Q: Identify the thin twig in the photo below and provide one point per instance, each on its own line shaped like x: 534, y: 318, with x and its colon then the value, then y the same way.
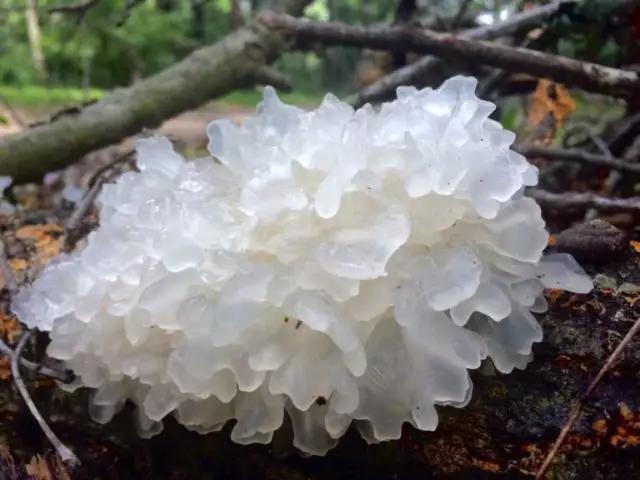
x: 9, y: 279
x: 584, y: 201
x: 107, y: 167
x: 67, y: 456
x: 462, y: 10
x: 588, y: 132
x: 578, y: 156
x: 614, y: 176
x: 72, y: 226
x: 64, y: 376
x: 624, y: 134
x: 575, y: 412
x: 80, y: 8
x: 497, y: 77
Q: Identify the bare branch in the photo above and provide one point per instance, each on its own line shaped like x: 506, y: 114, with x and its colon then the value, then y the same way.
x: 9, y: 279
x: 64, y: 376
x: 415, y: 73
x: 80, y: 8
x: 624, y: 134
x: 575, y: 411
x: 584, y: 201
x: 578, y: 156
x: 99, y: 173
x: 67, y: 456
x: 462, y: 10
x: 72, y: 227
x: 234, y: 62
x: 573, y: 73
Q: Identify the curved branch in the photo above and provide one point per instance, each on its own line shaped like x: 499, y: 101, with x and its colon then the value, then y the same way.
x: 588, y: 76
x: 584, y: 201
x: 578, y: 156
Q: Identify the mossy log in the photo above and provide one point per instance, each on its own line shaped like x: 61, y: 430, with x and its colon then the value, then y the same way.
x: 504, y: 432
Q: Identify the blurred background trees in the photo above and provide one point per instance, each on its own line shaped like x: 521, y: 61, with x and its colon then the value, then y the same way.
x: 50, y: 43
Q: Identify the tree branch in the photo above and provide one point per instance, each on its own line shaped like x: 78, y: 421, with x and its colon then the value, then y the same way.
x: 573, y: 73
x: 416, y: 73
x: 584, y: 201
x: 66, y: 455
x: 236, y: 61
x: 578, y: 156
x: 75, y: 8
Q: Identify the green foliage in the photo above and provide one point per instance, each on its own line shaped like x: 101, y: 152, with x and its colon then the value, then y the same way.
x: 250, y: 98
x: 110, y: 47
x: 113, y: 45
x: 107, y: 47
x: 585, y: 32
x: 35, y: 96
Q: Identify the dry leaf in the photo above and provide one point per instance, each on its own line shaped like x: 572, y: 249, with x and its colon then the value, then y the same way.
x: 550, y: 99
x: 39, y: 469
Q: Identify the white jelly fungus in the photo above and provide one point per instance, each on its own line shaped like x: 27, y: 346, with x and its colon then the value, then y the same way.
x: 340, y: 266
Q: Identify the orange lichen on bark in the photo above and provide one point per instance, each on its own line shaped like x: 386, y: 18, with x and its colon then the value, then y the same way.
x: 635, y: 245
x: 486, y: 466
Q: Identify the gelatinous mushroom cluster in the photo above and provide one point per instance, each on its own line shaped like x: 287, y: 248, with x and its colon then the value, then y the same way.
x: 340, y: 266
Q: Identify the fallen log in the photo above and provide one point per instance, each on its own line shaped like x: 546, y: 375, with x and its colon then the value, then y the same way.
x: 504, y: 432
